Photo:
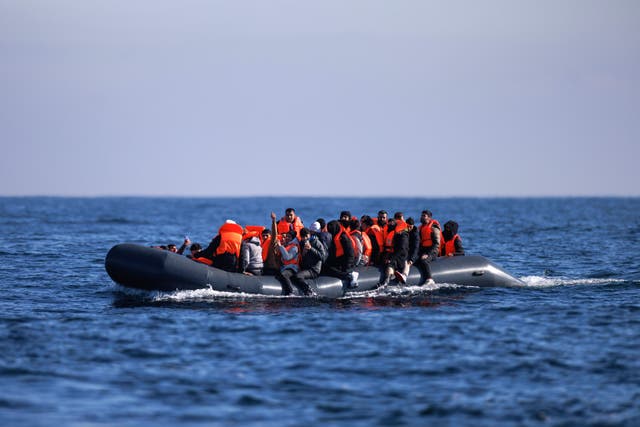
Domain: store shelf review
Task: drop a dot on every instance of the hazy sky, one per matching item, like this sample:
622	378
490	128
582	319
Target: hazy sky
407	98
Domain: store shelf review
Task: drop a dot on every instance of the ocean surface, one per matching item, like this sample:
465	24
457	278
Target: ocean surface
78	350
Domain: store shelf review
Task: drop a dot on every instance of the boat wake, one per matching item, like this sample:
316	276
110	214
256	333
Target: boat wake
203	295
392	292
549	282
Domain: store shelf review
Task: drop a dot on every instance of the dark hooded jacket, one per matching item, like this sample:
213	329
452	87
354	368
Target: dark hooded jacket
400	252
311	259
414	245
449	232
347	260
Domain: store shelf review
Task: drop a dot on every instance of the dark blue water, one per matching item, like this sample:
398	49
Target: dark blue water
75	349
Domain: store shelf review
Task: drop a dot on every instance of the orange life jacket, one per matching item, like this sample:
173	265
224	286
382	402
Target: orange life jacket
336	241
449	247
230	239
250	234
266	247
293	261
379	234
356	241
284	226
425	234
388	242
253	230
367	248
203	260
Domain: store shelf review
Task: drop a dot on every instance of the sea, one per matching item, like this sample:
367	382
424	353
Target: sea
78	350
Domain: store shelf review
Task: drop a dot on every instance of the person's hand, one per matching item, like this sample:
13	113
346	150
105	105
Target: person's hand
410	262
273	216
425	256
246	273
187	242
307	245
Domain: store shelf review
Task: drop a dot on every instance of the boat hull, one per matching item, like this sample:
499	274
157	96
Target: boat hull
152	269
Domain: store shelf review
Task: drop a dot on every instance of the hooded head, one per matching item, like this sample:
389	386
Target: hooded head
333	227
450	230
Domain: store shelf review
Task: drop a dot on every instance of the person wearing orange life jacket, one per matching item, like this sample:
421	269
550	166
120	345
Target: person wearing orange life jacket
270	254
224	249
401	275
395	253
354	234
194	249
362	240
265	239
398	216
452	243
430	239
290	221
345	220
340	261
367	246
289	251
377	233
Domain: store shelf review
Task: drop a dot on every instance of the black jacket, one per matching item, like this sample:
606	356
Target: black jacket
414	245
325	238
400	250
450	230
311	259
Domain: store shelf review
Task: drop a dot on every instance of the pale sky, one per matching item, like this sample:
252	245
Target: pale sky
346	98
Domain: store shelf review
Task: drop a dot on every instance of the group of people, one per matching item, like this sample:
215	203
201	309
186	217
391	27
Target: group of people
296	254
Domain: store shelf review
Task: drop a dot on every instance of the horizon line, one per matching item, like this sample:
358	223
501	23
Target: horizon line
248	196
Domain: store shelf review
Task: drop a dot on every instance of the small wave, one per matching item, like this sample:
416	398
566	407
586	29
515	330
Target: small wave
548	282
117	220
406	291
206	295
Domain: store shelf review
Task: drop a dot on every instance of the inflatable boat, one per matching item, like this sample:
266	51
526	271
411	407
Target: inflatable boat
152	269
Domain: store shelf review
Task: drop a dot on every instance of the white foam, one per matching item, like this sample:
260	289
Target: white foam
204	295
403	291
547	282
